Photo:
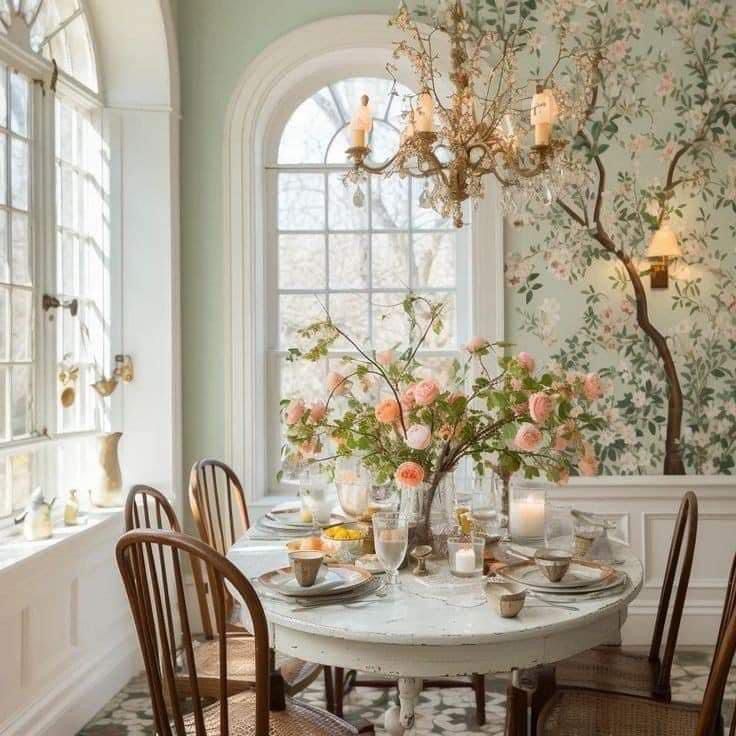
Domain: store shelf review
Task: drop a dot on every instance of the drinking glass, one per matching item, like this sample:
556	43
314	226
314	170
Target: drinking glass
559	527
391	538
485	504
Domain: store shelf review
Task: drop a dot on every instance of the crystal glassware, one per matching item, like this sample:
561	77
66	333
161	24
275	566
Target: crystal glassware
391	538
559	527
485	504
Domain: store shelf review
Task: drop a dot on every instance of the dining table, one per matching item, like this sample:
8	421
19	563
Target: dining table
436	626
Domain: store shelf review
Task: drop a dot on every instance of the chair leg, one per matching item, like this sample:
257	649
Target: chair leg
277	689
339	690
329	689
479	686
546	686
516	705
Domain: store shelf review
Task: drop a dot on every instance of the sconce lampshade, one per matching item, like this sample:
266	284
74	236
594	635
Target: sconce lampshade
664	244
544	107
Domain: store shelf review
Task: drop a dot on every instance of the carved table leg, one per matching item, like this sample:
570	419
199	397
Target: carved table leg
399	719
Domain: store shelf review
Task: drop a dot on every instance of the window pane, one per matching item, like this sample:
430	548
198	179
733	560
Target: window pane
4	327
4	265
297	311
21	263
303	379
19	104
68	264
389	321
21	341
301	202
22	479
67	198
3	96
390	260
446	340
22	402
309	130
348	261
6	496
3	168
19	174
390	201
301	261
425	218
434	260
350	313
344	215
4	392
384	142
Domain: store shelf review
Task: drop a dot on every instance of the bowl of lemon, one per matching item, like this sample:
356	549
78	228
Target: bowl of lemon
345	542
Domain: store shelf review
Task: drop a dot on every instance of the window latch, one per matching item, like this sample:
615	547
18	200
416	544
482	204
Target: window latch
53	302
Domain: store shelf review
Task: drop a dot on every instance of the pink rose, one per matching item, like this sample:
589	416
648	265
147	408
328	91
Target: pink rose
309	448
387	411
517	384
561	441
476	344
540	407
426	391
592	387
408	401
409	474
336	383
294	411
317	412
528	438
526	361
588	465
418	437
386	358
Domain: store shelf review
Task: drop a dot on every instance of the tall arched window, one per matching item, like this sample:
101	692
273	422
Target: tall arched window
353	252
53	245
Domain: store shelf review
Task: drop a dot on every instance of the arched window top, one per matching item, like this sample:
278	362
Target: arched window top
317	131
53	29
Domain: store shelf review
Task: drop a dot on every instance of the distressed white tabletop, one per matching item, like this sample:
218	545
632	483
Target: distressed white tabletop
423	630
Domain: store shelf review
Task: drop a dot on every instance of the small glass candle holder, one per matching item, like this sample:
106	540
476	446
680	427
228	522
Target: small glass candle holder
465	555
559	527
526	514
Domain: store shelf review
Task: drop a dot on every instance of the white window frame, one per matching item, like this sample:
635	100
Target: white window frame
42	225
286	72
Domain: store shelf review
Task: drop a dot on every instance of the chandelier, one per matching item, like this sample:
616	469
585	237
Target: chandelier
454	141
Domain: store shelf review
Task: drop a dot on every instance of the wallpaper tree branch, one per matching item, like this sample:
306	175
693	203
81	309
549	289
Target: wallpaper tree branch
657	145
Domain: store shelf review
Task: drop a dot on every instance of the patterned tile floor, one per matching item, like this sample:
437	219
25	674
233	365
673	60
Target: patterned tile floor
446	712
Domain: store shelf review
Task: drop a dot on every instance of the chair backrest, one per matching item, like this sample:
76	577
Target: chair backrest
150	563
218	504
686	529
722	659
148	508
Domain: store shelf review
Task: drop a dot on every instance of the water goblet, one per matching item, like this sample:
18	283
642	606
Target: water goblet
391	538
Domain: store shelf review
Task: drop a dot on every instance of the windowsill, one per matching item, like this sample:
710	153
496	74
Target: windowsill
16	551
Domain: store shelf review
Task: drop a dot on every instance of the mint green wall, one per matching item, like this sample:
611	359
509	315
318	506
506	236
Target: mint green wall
217	40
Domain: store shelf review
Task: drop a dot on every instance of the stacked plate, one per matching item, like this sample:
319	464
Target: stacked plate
286	522
582	580
335	584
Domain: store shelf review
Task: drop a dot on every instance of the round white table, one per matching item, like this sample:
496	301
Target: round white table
424	630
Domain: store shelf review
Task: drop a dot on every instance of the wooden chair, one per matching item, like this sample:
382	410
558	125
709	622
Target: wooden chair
148	508
151	564
616	669
578	712
220	512
346	681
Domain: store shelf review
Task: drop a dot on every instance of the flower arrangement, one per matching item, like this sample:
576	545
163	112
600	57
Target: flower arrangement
414	430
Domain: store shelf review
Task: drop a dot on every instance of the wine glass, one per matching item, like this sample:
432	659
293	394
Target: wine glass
391	538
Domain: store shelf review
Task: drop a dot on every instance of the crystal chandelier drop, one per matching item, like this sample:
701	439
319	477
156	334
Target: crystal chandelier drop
454	141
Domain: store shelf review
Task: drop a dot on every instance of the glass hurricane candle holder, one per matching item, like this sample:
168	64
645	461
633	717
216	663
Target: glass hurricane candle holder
465	555
526	514
559	527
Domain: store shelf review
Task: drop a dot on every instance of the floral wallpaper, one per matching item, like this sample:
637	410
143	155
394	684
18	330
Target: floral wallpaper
669	83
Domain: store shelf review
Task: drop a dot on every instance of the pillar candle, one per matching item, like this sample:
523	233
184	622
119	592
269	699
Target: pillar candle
527	517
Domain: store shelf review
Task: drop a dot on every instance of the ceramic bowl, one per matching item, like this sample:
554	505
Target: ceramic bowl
305	565
344	550
506	598
554	563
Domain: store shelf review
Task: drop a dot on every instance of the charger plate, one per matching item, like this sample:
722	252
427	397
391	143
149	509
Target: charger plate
581	576
330	581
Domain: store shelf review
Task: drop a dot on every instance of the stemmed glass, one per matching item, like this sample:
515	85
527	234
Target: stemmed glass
391	538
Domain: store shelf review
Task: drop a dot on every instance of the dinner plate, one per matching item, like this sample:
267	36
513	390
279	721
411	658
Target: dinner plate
582	594
290	519
581	575
330	580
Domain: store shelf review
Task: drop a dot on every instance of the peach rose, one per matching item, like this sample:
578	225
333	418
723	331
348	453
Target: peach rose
309	448
408	400
588	465
426	392
526	361
561	441
387	411
476	344
528	438
409	474
386	357
295	411
317	412
540	407
592	387
336	383
418	437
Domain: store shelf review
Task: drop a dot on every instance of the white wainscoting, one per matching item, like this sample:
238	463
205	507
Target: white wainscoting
66	635
646	508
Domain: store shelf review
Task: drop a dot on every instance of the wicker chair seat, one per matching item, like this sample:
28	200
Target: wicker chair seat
573	712
241	664
296	720
612	669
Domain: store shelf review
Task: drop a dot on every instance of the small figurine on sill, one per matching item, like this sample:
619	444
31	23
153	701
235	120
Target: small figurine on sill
71	510
36	519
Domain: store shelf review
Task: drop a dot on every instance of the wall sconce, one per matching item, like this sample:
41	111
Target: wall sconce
662	247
